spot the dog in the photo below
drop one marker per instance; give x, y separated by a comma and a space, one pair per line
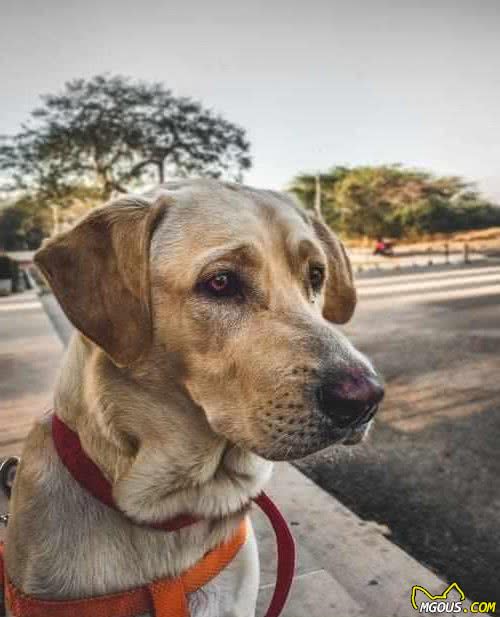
206, 348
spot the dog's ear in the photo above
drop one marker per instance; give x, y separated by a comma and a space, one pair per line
99, 272
340, 293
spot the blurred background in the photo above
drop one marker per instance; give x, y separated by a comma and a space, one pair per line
383, 116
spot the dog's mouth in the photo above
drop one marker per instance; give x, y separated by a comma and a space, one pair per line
349, 436
345, 430
293, 446
293, 436
357, 434
358, 431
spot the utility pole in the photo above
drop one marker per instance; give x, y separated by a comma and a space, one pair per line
317, 197
55, 219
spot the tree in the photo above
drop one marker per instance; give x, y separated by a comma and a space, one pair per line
30, 218
389, 200
304, 187
23, 225
113, 133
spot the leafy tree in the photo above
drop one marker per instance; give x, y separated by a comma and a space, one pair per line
304, 187
113, 133
23, 225
30, 218
397, 202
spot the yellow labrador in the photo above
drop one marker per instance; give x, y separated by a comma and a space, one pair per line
205, 348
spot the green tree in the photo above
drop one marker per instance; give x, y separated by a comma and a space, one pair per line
23, 225
30, 218
304, 187
389, 200
114, 133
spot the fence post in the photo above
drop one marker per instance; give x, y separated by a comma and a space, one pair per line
466, 253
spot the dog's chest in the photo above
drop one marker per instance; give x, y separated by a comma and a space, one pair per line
207, 602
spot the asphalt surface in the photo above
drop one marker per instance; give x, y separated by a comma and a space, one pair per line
431, 467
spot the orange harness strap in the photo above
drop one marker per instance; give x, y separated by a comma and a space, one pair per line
165, 597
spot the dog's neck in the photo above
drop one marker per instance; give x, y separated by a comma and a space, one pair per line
152, 442
162, 460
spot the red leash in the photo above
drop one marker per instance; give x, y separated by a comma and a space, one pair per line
286, 554
90, 477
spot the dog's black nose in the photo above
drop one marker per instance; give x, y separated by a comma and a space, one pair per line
349, 398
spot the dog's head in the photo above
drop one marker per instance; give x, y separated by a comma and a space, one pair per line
232, 294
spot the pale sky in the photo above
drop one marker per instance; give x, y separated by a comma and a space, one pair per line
315, 83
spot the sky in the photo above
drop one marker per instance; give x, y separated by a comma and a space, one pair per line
315, 83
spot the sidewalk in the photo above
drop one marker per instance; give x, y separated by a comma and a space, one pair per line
29, 361
346, 567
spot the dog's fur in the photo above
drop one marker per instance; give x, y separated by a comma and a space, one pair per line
181, 399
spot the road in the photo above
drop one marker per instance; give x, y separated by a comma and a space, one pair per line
29, 360
430, 469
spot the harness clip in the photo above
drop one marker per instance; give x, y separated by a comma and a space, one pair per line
8, 469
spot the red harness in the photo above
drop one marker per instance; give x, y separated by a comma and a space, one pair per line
90, 477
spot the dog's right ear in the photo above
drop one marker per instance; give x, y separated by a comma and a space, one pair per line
99, 273
340, 292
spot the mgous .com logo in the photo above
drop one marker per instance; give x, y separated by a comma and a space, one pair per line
450, 601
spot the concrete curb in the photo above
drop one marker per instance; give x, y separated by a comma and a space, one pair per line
375, 575
377, 272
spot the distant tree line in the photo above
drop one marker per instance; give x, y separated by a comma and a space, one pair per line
389, 200
23, 225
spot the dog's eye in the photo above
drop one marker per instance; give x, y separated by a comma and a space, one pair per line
223, 285
316, 277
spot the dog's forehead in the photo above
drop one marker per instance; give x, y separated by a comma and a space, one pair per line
209, 213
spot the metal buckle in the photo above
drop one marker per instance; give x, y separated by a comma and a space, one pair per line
4, 519
7, 474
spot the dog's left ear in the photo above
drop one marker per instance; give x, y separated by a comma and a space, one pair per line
340, 293
99, 272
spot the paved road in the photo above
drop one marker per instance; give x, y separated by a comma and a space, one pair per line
431, 468
29, 361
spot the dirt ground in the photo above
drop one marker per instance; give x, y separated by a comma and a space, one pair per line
431, 468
